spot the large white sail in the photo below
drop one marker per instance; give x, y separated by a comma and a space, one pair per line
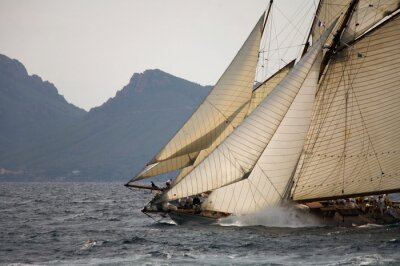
263, 90
353, 145
259, 94
268, 182
217, 116
237, 155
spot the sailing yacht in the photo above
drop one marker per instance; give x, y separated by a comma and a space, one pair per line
323, 127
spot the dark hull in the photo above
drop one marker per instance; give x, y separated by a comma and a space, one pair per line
332, 215
191, 218
350, 216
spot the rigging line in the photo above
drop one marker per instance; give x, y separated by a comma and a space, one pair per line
260, 193
276, 52
345, 131
272, 184
364, 17
362, 118
262, 32
361, 115
292, 29
353, 107
227, 119
276, 37
313, 23
320, 129
235, 204
252, 194
290, 22
300, 52
283, 117
324, 118
369, 138
291, 183
252, 185
281, 48
336, 39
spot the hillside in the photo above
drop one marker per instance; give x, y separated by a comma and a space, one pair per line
112, 141
30, 109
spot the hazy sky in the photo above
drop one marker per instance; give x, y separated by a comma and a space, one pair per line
90, 48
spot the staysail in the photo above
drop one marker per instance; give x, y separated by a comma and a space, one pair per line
353, 145
236, 156
259, 94
268, 182
221, 111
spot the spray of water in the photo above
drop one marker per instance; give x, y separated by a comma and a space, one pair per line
281, 216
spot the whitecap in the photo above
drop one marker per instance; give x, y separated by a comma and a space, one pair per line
89, 244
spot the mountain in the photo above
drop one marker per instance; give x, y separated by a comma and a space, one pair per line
110, 142
30, 109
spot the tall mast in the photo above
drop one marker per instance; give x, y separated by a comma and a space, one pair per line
337, 36
267, 15
307, 44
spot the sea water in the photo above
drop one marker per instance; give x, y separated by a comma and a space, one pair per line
101, 224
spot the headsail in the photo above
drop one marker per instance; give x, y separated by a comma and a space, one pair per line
221, 111
259, 94
236, 156
353, 145
265, 88
267, 184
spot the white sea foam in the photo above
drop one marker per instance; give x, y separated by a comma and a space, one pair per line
282, 216
370, 225
365, 259
89, 244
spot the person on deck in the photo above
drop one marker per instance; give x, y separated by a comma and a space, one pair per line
154, 186
380, 204
196, 204
168, 183
196, 200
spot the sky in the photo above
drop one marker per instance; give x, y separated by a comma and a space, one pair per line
89, 49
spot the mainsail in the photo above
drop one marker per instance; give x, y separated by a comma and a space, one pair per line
221, 111
237, 155
353, 146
